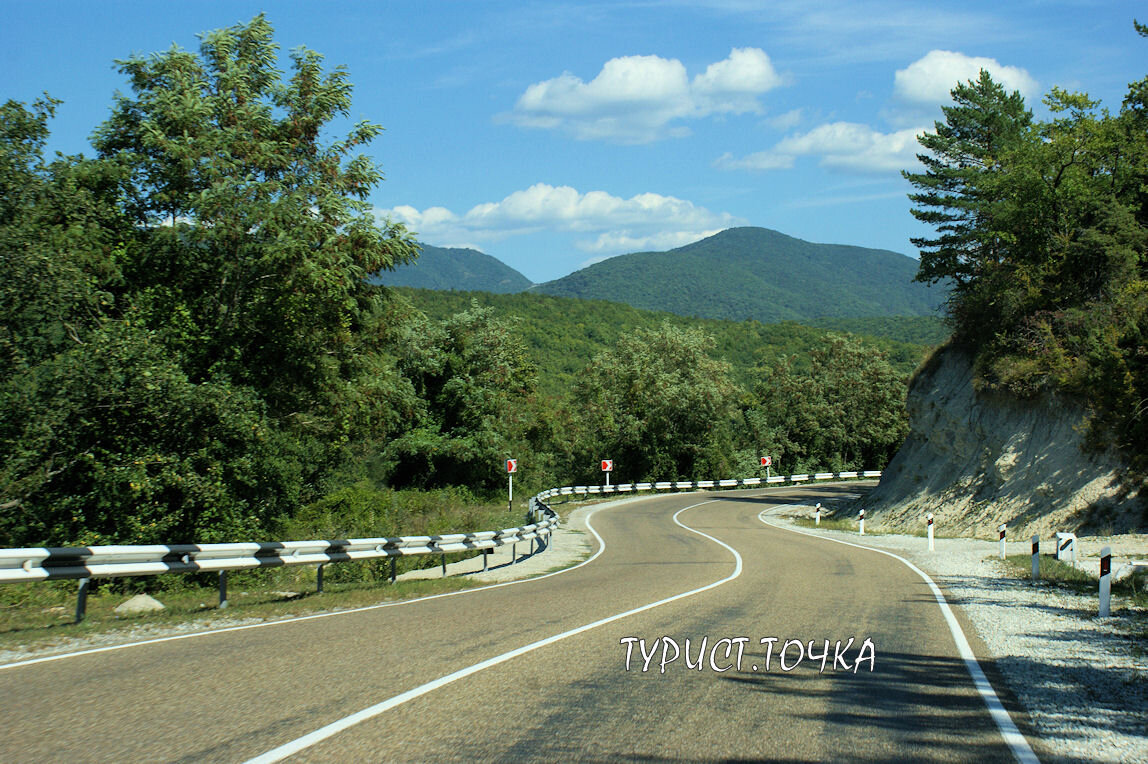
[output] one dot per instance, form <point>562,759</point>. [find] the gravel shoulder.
<point>1081,678</point>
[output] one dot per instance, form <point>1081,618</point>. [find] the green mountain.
<point>465,269</point>
<point>756,273</point>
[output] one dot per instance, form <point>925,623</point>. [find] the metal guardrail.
<point>51,563</point>
<point>85,563</point>
<point>679,485</point>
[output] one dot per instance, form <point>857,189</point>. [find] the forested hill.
<point>443,268</point>
<point>563,334</point>
<point>757,273</point>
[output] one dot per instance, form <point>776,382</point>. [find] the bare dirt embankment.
<point>978,460</point>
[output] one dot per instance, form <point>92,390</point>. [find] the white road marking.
<point>297,619</point>
<point>302,743</point>
<point>1012,736</point>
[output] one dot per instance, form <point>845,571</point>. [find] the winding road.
<point>564,667</point>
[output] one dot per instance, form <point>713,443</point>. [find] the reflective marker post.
<point>1105,582</point>
<point>511,468</point>
<point>862,522</point>
<point>930,522</point>
<point>1035,559</point>
<point>818,516</point>
<point>1003,527</point>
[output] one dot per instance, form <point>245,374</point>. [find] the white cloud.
<point>786,121</point>
<point>635,98</point>
<point>930,79</point>
<point>844,145</point>
<point>609,223</point>
<point>626,241</point>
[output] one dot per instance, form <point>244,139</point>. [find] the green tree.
<point>254,237</point>
<point>657,404</point>
<point>475,381</point>
<point>846,411</point>
<point>189,347</point>
<point>981,126</point>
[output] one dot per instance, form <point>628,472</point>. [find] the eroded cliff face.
<point>976,461</point>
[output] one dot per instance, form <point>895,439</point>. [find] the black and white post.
<point>929,520</point>
<point>817,516</point>
<point>1035,558</point>
<point>1105,582</point>
<point>1002,529</point>
<point>862,523</point>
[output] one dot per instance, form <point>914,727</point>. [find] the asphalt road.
<point>538,670</point>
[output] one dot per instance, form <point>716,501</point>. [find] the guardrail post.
<point>932,547</point>
<point>513,553</point>
<point>485,557</point>
<point>1035,558</point>
<point>1003,528</point>
<point>1105,582</point>
<point>444,565</point>
<point>319,580</point>
<point>222,589</point>
<point>82,599</point>
<point>394,565</point>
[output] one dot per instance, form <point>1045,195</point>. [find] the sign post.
<point>511,468</point>
<point>607,467</point>
<point>767,462</point>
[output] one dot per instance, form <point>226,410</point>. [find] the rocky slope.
<point>978,460</point>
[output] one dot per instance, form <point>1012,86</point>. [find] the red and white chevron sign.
<point>607,465</point>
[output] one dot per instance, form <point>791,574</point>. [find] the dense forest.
<point>192,350</point>
<point>1042,231</point>
<point>563,334</point>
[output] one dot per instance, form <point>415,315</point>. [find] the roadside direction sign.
<point>512,465</point>
<point>607,465</point>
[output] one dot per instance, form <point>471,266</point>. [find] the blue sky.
<point>556,134</point>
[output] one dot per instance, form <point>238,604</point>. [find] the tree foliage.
<point>845,411</point>
<point>189,343</point>
<point>656,404</point>
<point>191,348</point>
<point>1046,237</point>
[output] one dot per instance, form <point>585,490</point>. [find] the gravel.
<point>1081,678</point>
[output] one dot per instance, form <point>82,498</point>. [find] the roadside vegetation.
<point>192,350</point>
<point>1054,574</point>
<point>1042,232</point>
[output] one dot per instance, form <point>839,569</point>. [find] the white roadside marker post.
<point>932,547</point>
<point>818,515</point>
<point>1105,582</point>
<point>1035,558</point>
<point>862,522</point>
<point>1003,527</point>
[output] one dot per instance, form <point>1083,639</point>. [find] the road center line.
<point>1012,736</point>
<point>302,743</point>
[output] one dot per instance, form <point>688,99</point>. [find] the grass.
<point>839,524</point>
<point>42,614</point>
<point>1132,590</point>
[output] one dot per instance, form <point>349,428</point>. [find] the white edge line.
<point>297,619</point>
<point>1012,736</point>
<point>302,743</point>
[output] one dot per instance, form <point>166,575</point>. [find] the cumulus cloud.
<point>930,79</point>
<point>606,223</point>
<point>634,99</point>
<point>844,145</point>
